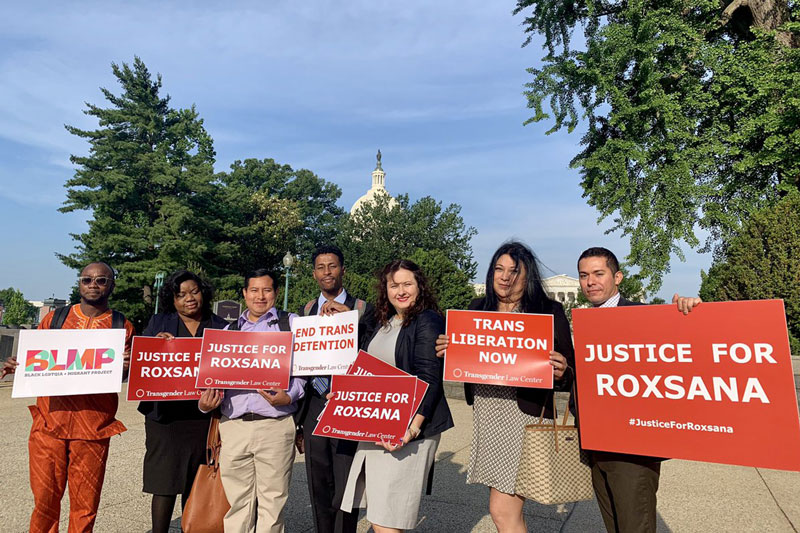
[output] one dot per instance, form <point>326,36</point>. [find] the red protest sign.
<point>716,385</point>
<point>245,359</point>
<point>369,365</point>
<point>164,369</point>
<point>368,408</point>
<point>499,348</point>
<point>366,364</point>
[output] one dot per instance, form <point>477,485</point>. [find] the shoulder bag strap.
<point>213,441</point>
<point>117,320</point>
<point>59,316</point>
<point>283,321</point>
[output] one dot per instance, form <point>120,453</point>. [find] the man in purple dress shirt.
<point>257,428</point>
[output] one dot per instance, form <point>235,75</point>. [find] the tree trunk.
<point>767,15</point>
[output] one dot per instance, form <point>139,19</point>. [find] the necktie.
<point>320,384</point>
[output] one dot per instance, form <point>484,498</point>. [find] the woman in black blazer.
<point>513,284</point>
<point>175,431</point>
<point>408,324</point>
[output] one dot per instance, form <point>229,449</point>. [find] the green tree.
<point>5,294</point>
<point>762,262</point>
<point>148,182</point>
<point>269,209</point>
<point>452,286</point>
<point>691,112</point>
<point>16,309</point>
<point>630,288</point>
<point>303,287</point>
<point>383,230</point>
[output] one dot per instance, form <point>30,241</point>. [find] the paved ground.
<point>692,497</point>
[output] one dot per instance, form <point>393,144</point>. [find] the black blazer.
<point>623,302</point>
<point>165,412</point>
<point>169,322</point>
<point>415,353</point>
<point>531,401</point>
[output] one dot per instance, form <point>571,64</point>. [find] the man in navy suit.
<point>625,485</point>
<point>328,460</point>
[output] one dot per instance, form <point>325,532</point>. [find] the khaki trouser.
<point>256,465</point>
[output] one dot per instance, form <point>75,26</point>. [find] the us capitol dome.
<point>378,188</point>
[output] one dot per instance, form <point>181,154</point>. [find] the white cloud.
<point>319,85</point>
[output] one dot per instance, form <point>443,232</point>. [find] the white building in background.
<point>378,188</point>
<point>45,306</point>
<point>561,288</point>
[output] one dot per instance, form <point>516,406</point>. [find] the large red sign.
<point>499,348</point>
<point>164,369</point>
<point>368,408</point>
<point>245,359</point>
<point>369,365</point>
<point>715,385</point>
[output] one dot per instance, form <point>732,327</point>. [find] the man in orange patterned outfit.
<point>70,436</point>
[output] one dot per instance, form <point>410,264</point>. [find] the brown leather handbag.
<point>207,505</point>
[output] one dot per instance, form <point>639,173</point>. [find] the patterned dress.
<point>498,429</point>
<point>497,433</point>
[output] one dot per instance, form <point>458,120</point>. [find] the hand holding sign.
<point>275,396</point>
<point>210,399</point>
<point>686,303</point>
<point>9,367</point>
<point>331,307</point>
<point>559,364</point>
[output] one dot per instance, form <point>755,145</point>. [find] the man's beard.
<point>103,298</point>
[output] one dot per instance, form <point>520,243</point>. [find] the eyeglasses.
<point>101,281</point>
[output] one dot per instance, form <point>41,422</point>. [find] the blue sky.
<point>437,86</point>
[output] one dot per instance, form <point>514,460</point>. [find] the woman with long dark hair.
<point>513,285</point>
<point>175,431</point>
<point>393,477</point>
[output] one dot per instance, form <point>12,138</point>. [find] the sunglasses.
<point>101,281</point>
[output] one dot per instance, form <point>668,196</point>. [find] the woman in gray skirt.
<point>513,285</point>
<point>388,480</point>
